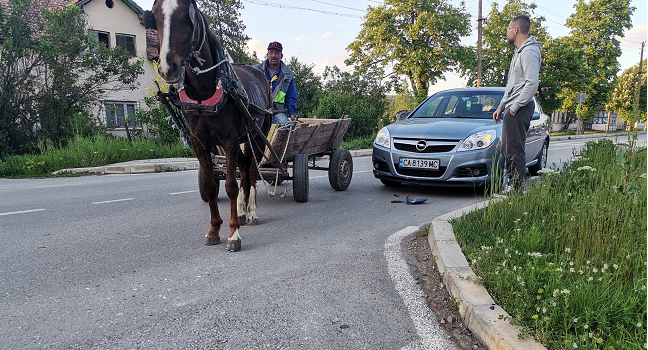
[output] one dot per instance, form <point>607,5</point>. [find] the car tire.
<point>300,178</point>
<point>390,183</point>
<point>541,160</point>
<point>340,170</point>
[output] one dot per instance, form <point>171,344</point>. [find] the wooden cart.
<point>298,149</point>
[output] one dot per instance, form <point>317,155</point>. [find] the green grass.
<point>567,259</point>
<point>87,152</point>
<point>358,144</point>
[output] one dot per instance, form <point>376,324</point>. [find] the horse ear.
<point>149,20</point>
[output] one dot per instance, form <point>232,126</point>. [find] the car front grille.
<point>420,172</point>
<point>429,149</point>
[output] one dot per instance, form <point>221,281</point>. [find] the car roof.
<point>474,89</point>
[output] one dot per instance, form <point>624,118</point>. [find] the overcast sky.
<point>318,31</point>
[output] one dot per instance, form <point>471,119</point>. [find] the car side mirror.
<point>536,116</point>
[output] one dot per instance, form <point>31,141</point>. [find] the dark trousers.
<point>514,131</point>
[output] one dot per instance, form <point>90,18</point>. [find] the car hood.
<point>441,128</point>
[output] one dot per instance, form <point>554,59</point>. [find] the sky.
<point>318,31</point>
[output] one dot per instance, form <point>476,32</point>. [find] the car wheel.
<point>541,160</point>
<point>390,183</point>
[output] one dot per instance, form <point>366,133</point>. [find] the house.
<point>115,23</point>
<point>119,23</point>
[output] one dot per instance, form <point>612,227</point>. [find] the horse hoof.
<point>252,221</point>
<point>243,220</point>
<point>234,246</point>
<point>212,241</point>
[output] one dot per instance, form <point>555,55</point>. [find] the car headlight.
<point>383,138</point>
<point>480,140</point>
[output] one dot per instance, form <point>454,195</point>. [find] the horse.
<point>222,104</point>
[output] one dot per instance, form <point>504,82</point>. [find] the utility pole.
<point>479,44</point>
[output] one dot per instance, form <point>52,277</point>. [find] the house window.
<point>116,112</point>
<point>126,42</point>
<point>102,37</point>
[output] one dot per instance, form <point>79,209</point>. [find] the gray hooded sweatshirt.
<point>523,75</point>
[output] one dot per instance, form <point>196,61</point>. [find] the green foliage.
<point>421,40</point>
<point>404,100</point>
<point>358,95</point>
<point>98,150</point>
<point>364,143</point>
<point>595,26</point>
<point>308,84</point>
<point>624,95</point>
<point>224,20</point>
<point>52,79</point>
<point>567,259</point>
<point>496,51</point>
<point>563,75</point>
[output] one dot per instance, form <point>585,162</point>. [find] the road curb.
<point>487,320</point>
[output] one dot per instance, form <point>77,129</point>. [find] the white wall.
<point>122,20</point>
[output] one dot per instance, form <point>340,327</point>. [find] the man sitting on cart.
<point>282,84</point>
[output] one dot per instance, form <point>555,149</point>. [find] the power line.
<point>344,7</point>
<point>271,4</point>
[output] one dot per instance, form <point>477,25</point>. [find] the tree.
<point>359,95</point>
<point>496,51</point>
<point>563,75</point>
<point>53,77</point>
<point>224,20</point>
<point>17,62</point>
<point>308,84</point>
<point>623,99</point>
<point>419,39</point>
<point>595,27</point>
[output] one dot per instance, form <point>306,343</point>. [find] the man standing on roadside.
<point>282,84</point>
<point>517,104</point>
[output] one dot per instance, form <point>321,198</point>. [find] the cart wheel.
<point>300,178</point>
<point>201,186</point>
<point>340,170</point>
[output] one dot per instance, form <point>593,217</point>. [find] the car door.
<point>534,139</point>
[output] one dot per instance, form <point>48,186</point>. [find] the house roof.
<point>131,4</point>
<point>37,6</point>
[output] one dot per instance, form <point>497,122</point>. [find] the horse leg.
<point>206,166</point>
<point>231,187</point>
<point>253,175</point>
<point>247,193</point>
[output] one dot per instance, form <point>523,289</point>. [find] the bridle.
<point>198,38</point>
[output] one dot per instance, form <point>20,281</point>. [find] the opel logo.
<point>421,146</point>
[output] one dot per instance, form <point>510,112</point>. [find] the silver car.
<point>451,139</point>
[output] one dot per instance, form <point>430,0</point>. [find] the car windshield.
<point>460,104</point>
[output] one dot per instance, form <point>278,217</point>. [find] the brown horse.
<point>220,102</point>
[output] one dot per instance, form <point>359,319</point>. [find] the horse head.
<point>180,28</point>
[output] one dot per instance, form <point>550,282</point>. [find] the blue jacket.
<point>284,92</point>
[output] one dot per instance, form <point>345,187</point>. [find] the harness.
<point>228,86</point>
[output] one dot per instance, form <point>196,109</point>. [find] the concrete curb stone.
<point>487,320</point>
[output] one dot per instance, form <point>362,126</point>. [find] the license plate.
<point>419,163</point>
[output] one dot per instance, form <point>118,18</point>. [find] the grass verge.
<point>567,259</point>
<point>87,152</point>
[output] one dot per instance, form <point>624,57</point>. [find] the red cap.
<point>275,45</point>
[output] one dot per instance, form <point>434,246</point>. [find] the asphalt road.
<point>117,262</point>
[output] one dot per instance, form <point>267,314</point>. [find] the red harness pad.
<point>212,102</point>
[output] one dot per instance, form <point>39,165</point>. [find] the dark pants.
<point>514,131</point>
